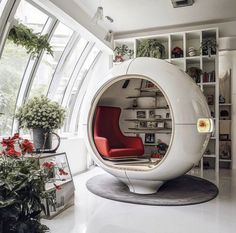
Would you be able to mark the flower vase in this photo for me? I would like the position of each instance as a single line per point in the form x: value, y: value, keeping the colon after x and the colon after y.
x: 42, y: 139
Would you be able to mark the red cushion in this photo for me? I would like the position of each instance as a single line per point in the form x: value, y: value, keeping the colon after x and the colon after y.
x: 125, y: 152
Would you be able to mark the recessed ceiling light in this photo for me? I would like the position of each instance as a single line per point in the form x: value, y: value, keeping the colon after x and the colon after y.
x: 182, y: 3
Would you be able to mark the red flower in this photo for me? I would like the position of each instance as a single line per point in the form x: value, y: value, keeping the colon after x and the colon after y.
x: 9, y: 143
x: 16, y: 136
x: 48, y: 165
x: 62, y: 172
x: 58, y: 187
x: 13, y: 152
x: 27, y: 146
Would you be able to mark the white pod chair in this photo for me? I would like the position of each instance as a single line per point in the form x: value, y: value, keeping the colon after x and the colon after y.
x: 187, y: 105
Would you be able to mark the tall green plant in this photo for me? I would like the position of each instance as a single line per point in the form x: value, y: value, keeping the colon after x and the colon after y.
x: 150, y: 48
x: 34, y: 43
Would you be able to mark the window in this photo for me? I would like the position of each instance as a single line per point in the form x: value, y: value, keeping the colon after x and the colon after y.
x: 49, y: 63
x: 64, y: 74
x: 13, y: 62
x: 71, y: 108
x: 2, y: 6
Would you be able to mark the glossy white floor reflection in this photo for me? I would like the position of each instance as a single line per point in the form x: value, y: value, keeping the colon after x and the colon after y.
x: 93, y: 214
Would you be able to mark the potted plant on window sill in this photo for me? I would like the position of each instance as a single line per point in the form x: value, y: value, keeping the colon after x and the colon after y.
x: 42, y: 116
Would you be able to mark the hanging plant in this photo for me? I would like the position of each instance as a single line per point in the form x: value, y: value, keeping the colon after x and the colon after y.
x: 34, y: 43
x: 151, y: 48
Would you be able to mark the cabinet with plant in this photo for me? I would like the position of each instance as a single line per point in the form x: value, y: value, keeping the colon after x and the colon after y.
x: 195, y: 52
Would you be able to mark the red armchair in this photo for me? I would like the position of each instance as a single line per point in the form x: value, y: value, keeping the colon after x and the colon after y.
x: 108, y: 138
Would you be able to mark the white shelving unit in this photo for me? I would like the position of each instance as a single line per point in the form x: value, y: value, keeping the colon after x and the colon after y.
x: 208, y: 81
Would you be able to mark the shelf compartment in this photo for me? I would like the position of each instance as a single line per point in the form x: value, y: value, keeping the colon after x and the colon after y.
x: 193, y: 40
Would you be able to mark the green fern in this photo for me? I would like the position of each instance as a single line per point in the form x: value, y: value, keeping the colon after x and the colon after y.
x: 34, y: 43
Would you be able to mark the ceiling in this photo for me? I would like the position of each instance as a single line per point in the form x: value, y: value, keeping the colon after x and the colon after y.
x: 138, y: 15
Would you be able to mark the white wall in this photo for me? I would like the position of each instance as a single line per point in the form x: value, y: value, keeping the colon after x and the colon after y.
x: 76, y: 153
x: 225, y: 29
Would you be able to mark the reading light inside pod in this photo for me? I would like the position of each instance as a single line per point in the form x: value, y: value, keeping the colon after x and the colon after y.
x: 205, y: 125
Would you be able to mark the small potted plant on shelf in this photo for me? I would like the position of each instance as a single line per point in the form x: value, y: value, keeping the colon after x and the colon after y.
x: 34, y: 43
x: 42, y: 116
x: 121, y: 51
x: 151, y: 48
x: 208, y: 47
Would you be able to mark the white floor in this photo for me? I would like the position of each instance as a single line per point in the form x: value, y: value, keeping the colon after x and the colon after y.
x: 93, y: 214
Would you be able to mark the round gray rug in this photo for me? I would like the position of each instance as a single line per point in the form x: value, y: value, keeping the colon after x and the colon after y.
x: 185, y: 190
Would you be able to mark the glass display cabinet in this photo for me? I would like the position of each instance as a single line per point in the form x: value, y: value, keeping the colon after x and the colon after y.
x: 60, y: 188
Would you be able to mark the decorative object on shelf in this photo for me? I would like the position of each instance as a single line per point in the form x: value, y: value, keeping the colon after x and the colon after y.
x: 221, y: 99
x: 149, y: 138
x: 42, y: 115
x: 161, y: 147
x: 143, y: 124
x: 151, y: 114
x: 191, y: 52
x: 121, y: 51
x: 22, y: 187
x: 141, y: 114
x: 158, y: 117
x: 208, y: 77
x: 207, y: 152
x: 224, y: 114
x: 161, y: 125
x: 208, y: 46
x: 177, y: 52
x: 34, y: 43
x: 224, y: 137
x: 135, y: 103
x: 194, y: 73
x: 225, y: 150
x: 151, y: 48
x: 151, y: 124
x: 210, y: 99
x: 148, y: 84
x: 167, y: 115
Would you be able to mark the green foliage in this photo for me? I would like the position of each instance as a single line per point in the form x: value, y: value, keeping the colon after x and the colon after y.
x: 124, y: 50
x: 40, y: 112
x: 208, y: 46
x: 150, y: 48
x: 34, y: 43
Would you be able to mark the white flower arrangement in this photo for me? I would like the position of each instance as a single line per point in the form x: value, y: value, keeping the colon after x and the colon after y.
x: 40, y: 112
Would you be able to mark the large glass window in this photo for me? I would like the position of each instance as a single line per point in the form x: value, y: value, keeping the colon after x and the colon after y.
x: 49, y: 63
x: 76, y: 87
x: 2, y: 6
x: 63, y: 75
x: 13, y: 63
